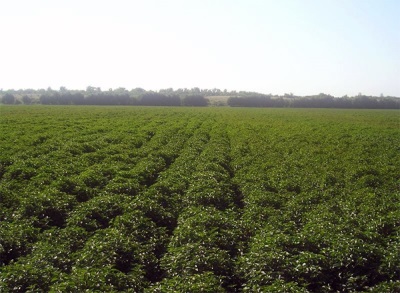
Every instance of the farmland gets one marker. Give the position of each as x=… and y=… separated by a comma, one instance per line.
x=141, y=199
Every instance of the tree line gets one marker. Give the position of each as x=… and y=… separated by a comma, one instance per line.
x=147, y=99
x=191, y=97
x=316, y=101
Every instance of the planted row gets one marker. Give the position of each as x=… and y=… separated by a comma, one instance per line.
x=205, y=200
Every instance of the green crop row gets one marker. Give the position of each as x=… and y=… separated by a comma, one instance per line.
x=112, y=199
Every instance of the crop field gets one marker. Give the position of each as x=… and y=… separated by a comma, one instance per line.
x=148, y=199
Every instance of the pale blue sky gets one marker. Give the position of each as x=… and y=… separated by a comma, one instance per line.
x=305, y=47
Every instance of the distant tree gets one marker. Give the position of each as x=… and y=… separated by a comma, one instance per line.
x=137, y=92
x=121, y=91
x=168, y=91
x=196, y=90
x=27, y=100
x=92, y=90
x=216, y=92
x=251, y=101
x=290, y=95
x=156, y=99
x=8, y=99
x=63, y=89
x=195, y=100
x=77, y=99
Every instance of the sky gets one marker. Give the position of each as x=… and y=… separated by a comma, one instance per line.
x=304, y=47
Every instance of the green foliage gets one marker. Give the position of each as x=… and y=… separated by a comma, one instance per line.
x=198, y=283
x=208, y=226
x=16, y=239
x=8, y=99
x=47, y=208
x=96, y=213
x=28, y=275
x=193, y=258
x=170, y=199
x=99, y=280
x=195, y=100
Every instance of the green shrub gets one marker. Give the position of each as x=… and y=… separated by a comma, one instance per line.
x=103, y=279
x=194, y=258
x=198, y=283
x=97, y=212
x=47, y=208
x=16, y=240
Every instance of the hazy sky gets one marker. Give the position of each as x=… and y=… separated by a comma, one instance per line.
x=305, y=47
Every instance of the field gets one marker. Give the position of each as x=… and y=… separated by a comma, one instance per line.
x=147, y=199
